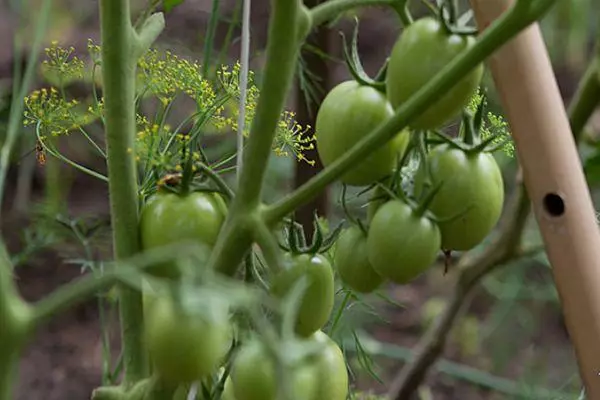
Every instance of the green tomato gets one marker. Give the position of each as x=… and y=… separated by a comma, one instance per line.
x=186, y=347
x=420, y=53
x=169, y=218
x=317, y=301
x=352, y=262
x=254, y=375
x=402, y=244
x=472, y=186
x=330, y=366
x=347, y=114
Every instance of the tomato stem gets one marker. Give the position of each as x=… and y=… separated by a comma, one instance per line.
x=121, y=47
x=217, y=180
x=281, y=57
x=468, y=129
x=268, y=245
x=331, y=9
x=423, y=206
x=16, y=324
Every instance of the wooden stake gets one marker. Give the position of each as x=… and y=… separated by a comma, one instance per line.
x=554, y=178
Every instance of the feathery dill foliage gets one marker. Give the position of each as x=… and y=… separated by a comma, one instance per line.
x=493, y=125
x=164, y=76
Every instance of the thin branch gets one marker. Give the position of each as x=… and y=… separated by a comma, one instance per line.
x=85, y=287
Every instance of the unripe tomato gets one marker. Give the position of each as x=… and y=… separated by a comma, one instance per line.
x=318, y=299
x=348, y=113
x=472, y=183
x=402, y=244
x=420, y=53
x=254, y=375
x=331, y=369
x=185, y=347
x=169, y=218
x=352, y=262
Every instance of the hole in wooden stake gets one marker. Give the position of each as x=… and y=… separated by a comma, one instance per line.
x=554, y=204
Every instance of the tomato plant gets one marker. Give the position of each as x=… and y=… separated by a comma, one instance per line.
x=471, y=190
x=318, y=298
x=254, y=375
x=185, y=346
x=169, y=218
x=170, y=345
x=352, y=263
x=423, y=49
x=347, y=114
x=402, y=242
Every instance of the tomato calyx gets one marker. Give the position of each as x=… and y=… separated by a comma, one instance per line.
x=470, y=138
x=355, y=67
x=453, y=23
x=296, y=243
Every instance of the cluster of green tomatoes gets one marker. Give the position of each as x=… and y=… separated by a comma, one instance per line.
x=456, y=201
x=457, y=190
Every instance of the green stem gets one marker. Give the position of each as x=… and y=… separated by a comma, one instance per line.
x=586, y=99
x=72, y=294
x=403, y=12
x=217, y=180
x=268, y=245
x=282, y=51
x=121, y=46
x=332, y=8
x=281, y=56
x=83, y=288
x=497, y=34
x=15, y=320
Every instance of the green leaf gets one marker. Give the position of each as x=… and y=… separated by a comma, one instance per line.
x=591, y=168
x=171, y=4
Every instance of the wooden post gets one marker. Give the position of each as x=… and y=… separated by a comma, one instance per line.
x=553, y=175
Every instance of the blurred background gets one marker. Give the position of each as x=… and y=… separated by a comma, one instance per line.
x=510, y=342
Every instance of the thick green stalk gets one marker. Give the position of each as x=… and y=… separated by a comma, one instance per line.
x=282, y=51
x=121, y=46
x=15, y=318
x=500, y=32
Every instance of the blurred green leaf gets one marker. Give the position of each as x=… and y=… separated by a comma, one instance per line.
x=171, y=4
x=591, y=168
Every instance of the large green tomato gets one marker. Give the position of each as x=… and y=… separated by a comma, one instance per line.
x=352, y=262
x=421, y=52
x=471, y=183
x=186, y=347
x=331, y=369
x=318, y=299
x=169, y=218
x=348, y=113
x=402, y=244
x=254, y=376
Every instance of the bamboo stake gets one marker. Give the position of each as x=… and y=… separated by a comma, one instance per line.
x=554, y=179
